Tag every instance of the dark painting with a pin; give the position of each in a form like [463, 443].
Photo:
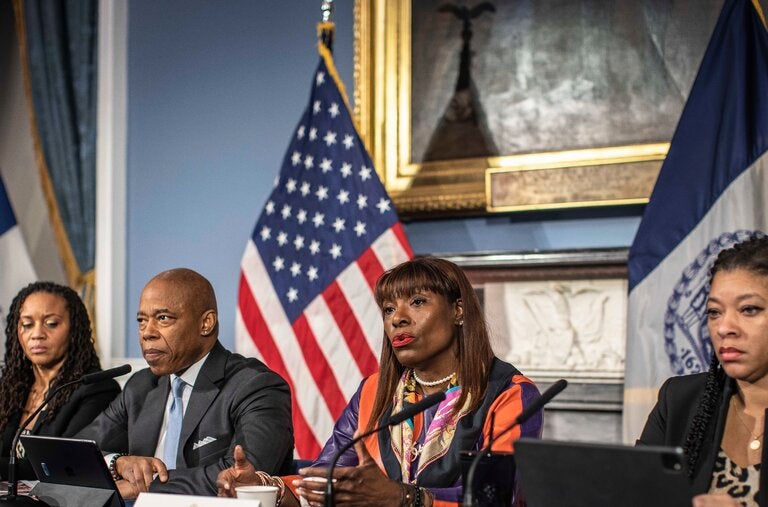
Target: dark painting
[551, 75]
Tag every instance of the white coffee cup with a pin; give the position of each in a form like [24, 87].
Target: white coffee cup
[267, 495]
[317, 483]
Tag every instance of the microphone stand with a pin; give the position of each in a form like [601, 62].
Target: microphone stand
[12, 497]
[406, 413]
[526, 414]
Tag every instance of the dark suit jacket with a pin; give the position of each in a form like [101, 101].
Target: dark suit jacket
[670, 419]
[235, 400]
[85, 403]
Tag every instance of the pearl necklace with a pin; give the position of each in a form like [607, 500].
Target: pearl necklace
[432, 383]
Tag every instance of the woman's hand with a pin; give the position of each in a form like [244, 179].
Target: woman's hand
[714, 500]
[139, 471]
[362, 485]
[242, 473]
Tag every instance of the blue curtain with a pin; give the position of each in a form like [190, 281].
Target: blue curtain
[61, 58]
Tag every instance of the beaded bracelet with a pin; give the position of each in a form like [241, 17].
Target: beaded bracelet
[417, 497]
[113, 466]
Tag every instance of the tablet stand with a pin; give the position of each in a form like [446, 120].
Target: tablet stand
[62, 495]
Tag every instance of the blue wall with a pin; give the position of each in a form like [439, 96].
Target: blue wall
[214, 92]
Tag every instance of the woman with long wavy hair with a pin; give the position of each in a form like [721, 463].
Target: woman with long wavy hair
[435, 340]
[48, 342]
[719, 417]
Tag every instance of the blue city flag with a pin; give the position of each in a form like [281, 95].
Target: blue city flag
[710, 194]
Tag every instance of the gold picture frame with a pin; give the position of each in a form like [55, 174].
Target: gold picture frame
[601, 176]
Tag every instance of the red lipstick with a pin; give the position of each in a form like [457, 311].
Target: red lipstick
[402, 340]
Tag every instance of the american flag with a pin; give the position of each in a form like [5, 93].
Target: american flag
[327, 231]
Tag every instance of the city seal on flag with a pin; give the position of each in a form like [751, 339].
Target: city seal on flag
[686, 339]
[709, 194]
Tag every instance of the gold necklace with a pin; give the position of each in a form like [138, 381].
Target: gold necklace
[755, 443]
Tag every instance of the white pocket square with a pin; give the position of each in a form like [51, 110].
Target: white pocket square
[205, 441]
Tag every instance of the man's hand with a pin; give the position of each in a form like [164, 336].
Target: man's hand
[126, 489]
[139, 471]
[242, 473]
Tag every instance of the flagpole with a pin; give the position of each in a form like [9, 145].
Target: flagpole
[326, 25]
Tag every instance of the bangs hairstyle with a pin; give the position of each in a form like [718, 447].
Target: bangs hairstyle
[475, 355]
[422, 274]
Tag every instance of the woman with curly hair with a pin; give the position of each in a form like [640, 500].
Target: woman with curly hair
[435, 340]
[48, 342]
[719, 417]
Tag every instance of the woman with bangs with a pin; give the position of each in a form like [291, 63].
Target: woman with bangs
[435, 340]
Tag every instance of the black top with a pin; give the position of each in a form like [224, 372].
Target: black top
[85, 403]
[670, 419]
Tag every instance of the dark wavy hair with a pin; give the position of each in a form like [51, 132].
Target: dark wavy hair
[474, 347]
[749, 255]
[17, 377]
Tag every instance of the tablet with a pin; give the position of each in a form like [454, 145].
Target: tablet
[556, 473]
[76, 465]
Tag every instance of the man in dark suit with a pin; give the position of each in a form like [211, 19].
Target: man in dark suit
[218, 399]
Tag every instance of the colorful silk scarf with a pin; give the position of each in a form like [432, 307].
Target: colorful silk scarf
[439, 434]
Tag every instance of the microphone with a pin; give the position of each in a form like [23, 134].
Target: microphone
[526, 414]
[406, 413]
[98, 376]
[409, 411]
[12, 497]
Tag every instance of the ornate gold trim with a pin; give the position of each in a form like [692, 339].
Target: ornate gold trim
[571, 179]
